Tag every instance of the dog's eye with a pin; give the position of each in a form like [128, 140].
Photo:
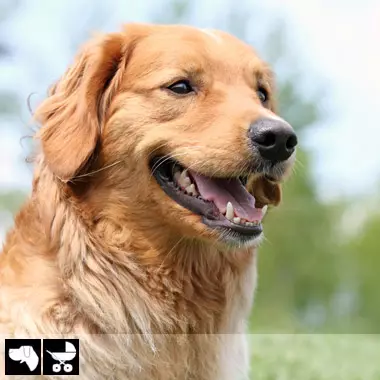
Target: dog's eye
[182, 87]
[262, 93]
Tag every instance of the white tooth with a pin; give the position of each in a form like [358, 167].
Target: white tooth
[236, 220]
[191, 190]
[264, 210]
[184, 174]
[184, 180]
[229, 211]
[177, 175]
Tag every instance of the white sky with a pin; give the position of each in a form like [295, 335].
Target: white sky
[335, 42]
[341, 41]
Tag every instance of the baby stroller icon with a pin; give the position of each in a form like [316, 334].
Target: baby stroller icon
[63, 357]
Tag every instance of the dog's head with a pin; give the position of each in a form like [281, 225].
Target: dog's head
[169, 126]
[25, 354]
[20, 354]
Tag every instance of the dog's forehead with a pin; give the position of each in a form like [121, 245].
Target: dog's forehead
[210, 39]
[169, 46]
[213, 34]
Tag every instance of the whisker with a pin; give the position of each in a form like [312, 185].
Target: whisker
[171, 250]
[164, 159]
[183, 151]
[96, 171]
[159, 147]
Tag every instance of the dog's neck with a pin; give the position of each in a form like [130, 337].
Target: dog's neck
[184, 289]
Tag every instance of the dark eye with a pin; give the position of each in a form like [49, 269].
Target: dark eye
[262, 93]
[182, 87]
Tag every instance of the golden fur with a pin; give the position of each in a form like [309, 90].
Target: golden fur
[99, 251]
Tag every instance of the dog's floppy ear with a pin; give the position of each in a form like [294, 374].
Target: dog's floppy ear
[264, 191]
[27, 350]
[71, 117]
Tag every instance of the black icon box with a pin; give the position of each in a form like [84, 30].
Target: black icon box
[23, 356]
[61, 357]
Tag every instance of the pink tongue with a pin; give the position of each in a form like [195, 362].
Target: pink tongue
[220, 191]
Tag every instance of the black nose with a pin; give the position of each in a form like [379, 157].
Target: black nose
[274, 139]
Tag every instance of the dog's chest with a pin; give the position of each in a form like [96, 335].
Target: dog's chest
[218, 356]
[206, 342]
[190, 330]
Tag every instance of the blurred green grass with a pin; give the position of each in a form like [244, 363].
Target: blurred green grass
[315, 357]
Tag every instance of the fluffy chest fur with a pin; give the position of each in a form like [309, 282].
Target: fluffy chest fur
[136, 318]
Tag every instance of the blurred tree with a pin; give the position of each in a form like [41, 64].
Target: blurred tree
[7, 6]
[9, 103]
[10, 200]
[362, 269]
[82, 25]
[176, 11]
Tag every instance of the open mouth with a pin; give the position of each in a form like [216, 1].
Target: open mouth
[223, 203]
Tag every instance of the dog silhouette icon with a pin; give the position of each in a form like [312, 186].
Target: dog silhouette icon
[25, 354]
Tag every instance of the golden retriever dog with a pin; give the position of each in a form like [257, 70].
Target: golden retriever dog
[160, 151]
